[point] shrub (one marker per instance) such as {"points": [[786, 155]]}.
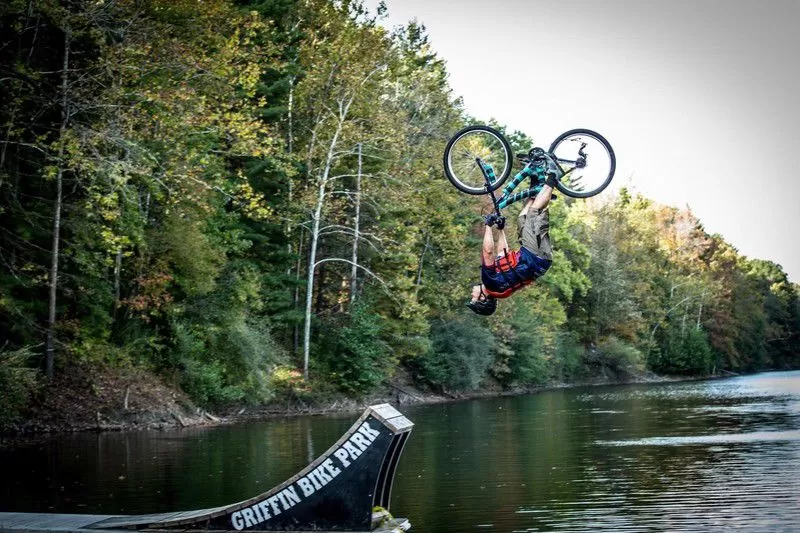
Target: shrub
{"points": [[461, 352], [359, 359], [617, 356], [568, 356], [206, 383], [18, 382], [687, 353], [230, 362]]}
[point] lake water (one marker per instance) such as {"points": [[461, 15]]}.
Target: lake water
{"points": [[695, 456]]}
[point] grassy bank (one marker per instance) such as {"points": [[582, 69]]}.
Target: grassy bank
{"points": [[100, 398]]}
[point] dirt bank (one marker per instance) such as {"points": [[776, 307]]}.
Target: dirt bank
{"points": [[98, 398]]}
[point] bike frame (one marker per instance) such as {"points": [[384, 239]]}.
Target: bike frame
{"points": [[528, 171]]}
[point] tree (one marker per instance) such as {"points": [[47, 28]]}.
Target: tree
{"points": [[460, 354], [349, 69]]}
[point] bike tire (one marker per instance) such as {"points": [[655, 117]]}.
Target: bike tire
{"points": [[575, 182], [467, 144]]}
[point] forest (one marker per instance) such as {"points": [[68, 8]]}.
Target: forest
{"points": [[246, 199]]}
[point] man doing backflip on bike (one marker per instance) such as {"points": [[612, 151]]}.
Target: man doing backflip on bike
{"points": [[505, 271]]}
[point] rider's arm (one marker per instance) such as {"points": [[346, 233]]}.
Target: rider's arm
{"points": [[487, 250]]}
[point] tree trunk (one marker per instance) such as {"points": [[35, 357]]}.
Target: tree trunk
{"points": [[421, 264], [683, 322], [319, 281], [117, 274], [290, 150], [317, 216], [700, 310], [54, 257], [8, 140], [310, 278], [356, 221], [290, 126], [298, 266]]}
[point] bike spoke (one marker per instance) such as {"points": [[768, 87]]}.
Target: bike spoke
{"points": [[477, 144], [590, 160]]}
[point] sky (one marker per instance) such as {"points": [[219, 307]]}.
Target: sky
{"points": [[699, 99]]}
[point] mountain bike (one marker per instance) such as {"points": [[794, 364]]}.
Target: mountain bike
{"points": [[477, 160]]}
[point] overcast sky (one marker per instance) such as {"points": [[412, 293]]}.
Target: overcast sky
{"points": [[698, 98]]}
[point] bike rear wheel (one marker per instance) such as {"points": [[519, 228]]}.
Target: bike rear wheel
{"points": [[588, 162], [469, 144]]}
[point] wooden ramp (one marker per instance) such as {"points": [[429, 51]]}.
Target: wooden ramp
{"points": [[337, 492]]}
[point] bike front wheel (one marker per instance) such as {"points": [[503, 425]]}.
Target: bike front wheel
{"points": [[587, 160], [466, 147]]}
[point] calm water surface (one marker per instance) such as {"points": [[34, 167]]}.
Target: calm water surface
{"points": [[718, 455]]}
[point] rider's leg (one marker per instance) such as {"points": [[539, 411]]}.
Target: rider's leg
{"points": [[540, 201], [543, 198], [533, 225]]}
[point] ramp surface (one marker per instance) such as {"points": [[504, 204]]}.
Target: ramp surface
{"points": [[336, 492]]}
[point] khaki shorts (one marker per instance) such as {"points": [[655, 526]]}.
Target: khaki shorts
{"points": [[533, 231]]}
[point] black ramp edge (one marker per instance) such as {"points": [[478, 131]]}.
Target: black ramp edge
{"points": [[336, 492], [377, 498], [384, 495]]}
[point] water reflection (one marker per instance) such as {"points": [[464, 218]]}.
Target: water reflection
{"points": [[666, 457], [150, 471], [759, 436], [687, 456]]}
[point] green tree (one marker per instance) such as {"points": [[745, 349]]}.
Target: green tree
{"points": [[460, 353], [360, 359]]}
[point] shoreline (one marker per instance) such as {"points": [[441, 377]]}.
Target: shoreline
{"points": [[180, 414]]}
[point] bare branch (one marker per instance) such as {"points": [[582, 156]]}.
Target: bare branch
{"points": [[27, 145], [366, 237], [365, 269]]}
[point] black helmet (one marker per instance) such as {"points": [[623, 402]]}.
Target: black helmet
{"points": [[484, 306]]}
